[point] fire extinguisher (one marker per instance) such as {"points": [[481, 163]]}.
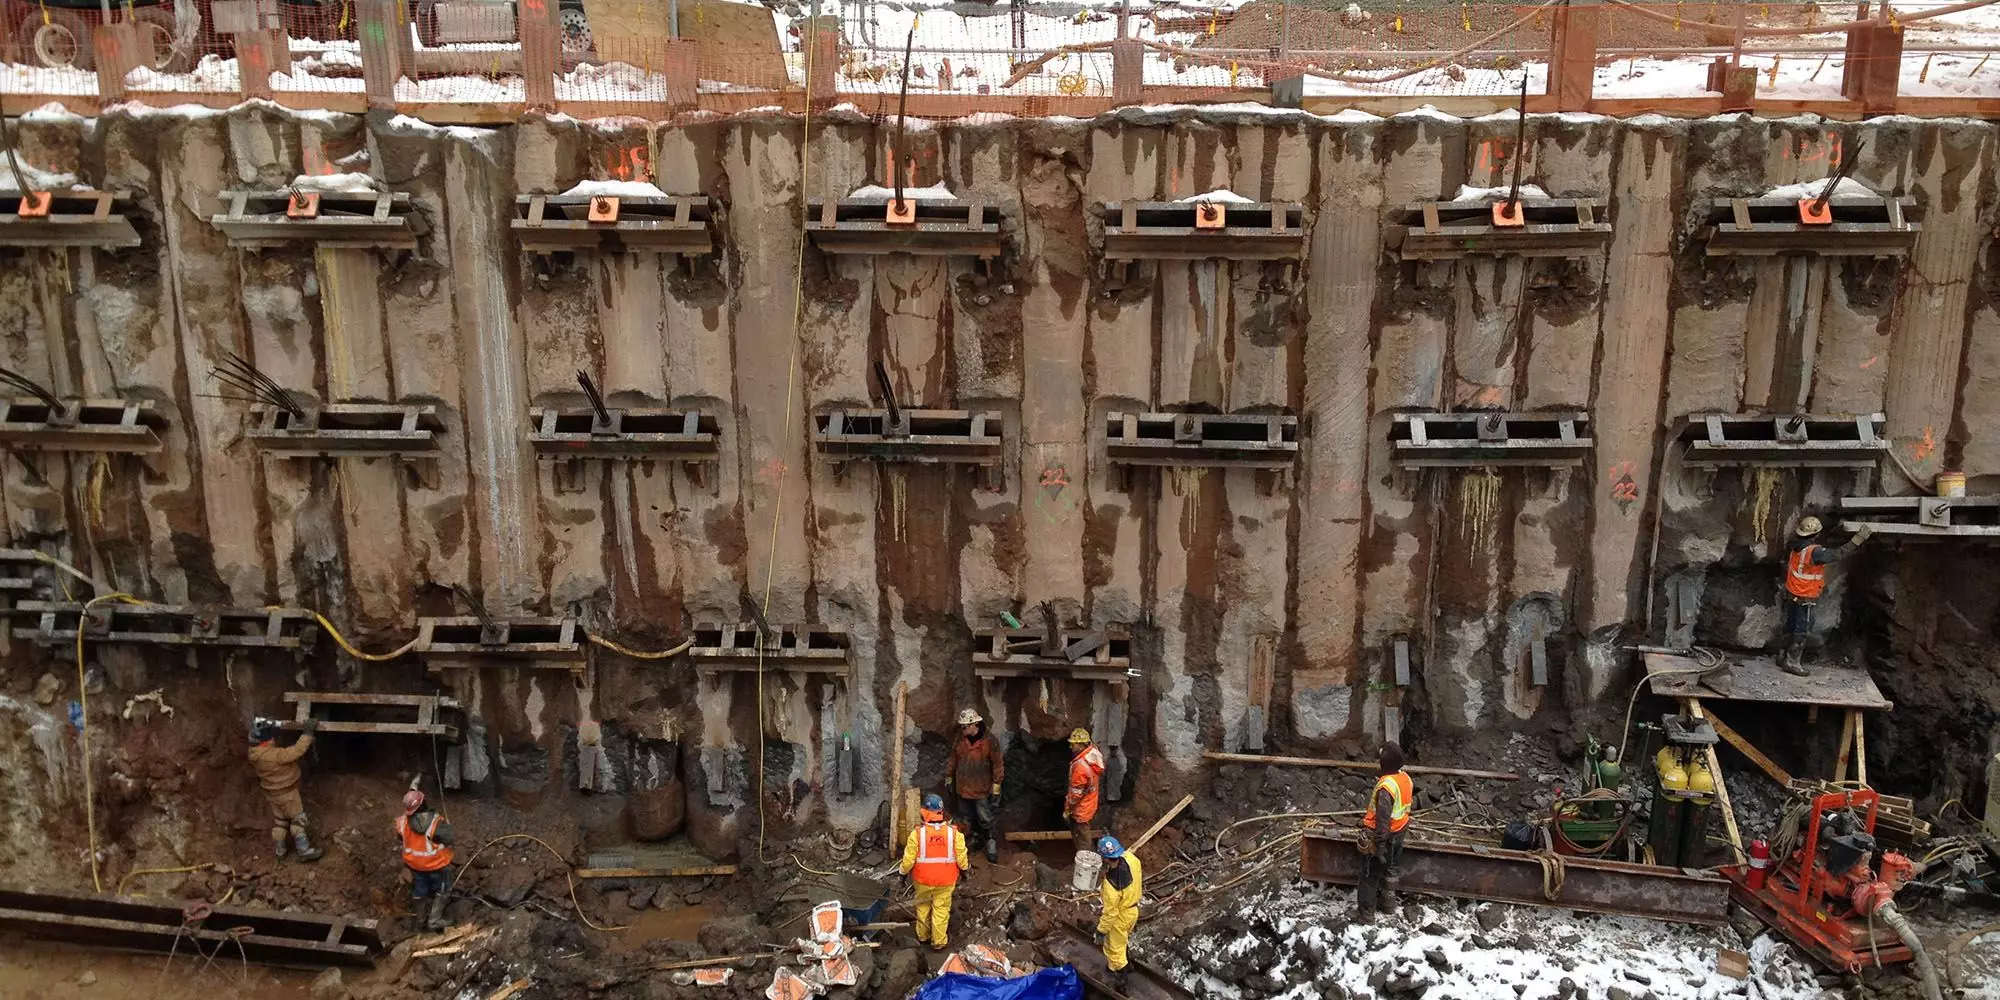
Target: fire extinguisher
{"points": [[1760, 864]]}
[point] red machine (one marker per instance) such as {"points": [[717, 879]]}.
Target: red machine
{"points": [[1822, 896]]}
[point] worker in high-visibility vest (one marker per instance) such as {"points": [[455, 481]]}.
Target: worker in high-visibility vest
{"points": [[1381, 840], [932, 858], [1086, 786], [1119, 892], [426, 841], [1806, 561]]}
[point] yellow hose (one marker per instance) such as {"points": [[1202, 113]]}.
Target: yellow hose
{"points": [[129, 876], [568, 873], [83, 728], [637, 655], [358, 654]]}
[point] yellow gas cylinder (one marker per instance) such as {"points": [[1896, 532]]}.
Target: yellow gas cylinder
{"points": [[1700, 781], [1673, 777]]}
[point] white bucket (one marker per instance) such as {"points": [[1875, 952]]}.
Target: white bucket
{"points": [[1088, 867]]}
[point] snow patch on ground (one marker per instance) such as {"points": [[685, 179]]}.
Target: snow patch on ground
{"points": [[616, 189], [873, 192], [1295, 942]]}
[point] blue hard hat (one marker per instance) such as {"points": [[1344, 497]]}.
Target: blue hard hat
{"points": [[1110, 847], [934, 801]]}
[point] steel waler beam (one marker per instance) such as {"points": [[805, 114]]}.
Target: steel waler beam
{"points": [[1504, 876]]}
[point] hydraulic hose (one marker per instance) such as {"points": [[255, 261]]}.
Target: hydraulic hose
{"points": [[1926, 972]]}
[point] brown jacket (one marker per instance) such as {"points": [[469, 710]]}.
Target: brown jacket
{"points": [[975, 766], [278, 767]]}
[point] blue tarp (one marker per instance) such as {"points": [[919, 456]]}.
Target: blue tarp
{"points": [[1059, 983]]}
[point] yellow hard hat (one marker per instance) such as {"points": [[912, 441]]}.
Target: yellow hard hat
{"points": [[1808, 526], [1079, 736]]}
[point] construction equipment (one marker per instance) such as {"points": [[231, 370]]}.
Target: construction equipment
{"points": [[1593, 823], [1825, 898], [1678, 829]]}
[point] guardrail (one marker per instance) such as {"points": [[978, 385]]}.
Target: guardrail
{"points": [[422, 59]]}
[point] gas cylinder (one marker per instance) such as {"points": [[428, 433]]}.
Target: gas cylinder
{"points": [[1760, 864], [1673, 777]]}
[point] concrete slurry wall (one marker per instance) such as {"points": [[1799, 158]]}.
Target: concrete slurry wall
{"points": [[1315, 576]]}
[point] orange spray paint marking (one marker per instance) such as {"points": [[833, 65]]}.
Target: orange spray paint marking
{"points": [[1870, 363], [1923, 449], [1624, 486], [771, 471]]}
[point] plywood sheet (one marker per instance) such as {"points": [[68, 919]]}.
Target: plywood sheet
{"points": [[1759, 678], [735, 42]]}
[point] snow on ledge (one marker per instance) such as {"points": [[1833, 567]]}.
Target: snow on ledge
{"points": [[336, 183], [873, 192], [1219, 195], [616, 189], [38, 180], [1847, 188], [1467, 192]]}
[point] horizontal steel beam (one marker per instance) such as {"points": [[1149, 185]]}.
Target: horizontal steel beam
{"points": [[1504, 876], [1071, 946], [267, 937]]}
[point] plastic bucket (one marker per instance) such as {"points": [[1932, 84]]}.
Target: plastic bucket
{"points": [[1951, 484], [1088, 867]]}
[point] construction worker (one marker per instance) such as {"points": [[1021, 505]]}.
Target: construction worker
{"points": [[426, 841], [1381, 841], [932, 858], [1086, 780], [973, 773], [1119, 892], [1805, 580], [278, 771]]}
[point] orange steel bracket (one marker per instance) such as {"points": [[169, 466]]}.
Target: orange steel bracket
{"points": [[1209, 215], [303, 205], [900, 212], [603, 208], [1813, 212], [35, 205], [1508, 213]]}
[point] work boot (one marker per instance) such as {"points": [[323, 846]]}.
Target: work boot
{"points": [[1119, 979], [279, 843], [1388, 903], [1363, 914], [435, 921], [1791, 660], [992, 851], [307, 852]]}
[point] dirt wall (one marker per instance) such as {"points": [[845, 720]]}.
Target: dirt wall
{"points": [[1315, 575]]}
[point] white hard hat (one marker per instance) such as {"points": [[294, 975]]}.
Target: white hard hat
{"points": [[968, 717], [1808, 525]]}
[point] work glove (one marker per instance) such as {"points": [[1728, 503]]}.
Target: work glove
{"points": [[310, 727], [995, 794], [1065, 815], [1365, 844]]}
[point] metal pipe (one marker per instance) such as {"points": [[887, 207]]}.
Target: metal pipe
{"points": [[902, 106]]}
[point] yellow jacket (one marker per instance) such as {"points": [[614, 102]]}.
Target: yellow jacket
{"points": [[1121, 906]]}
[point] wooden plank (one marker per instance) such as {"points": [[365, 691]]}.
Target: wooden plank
{"points": [[690, 872], [1770, 767], [1035, 836], [1693, 706], [1362, 765], [339, 698], [1846, 745], [1860, 748], [896, 772], [1160, 824]]}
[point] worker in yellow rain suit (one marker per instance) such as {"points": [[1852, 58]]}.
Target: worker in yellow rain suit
{"points": [[932, 858], [1120, 893]]}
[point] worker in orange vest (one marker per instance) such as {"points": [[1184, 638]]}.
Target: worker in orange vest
{"points": [[1086, 780], [1381, 840], [427, 852], [932, 858], [1806, 561]]}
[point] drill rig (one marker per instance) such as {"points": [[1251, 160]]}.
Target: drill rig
{"points": [[1827, 898]]}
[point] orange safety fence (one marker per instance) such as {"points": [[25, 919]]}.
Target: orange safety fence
{"points": [[652, 57]]}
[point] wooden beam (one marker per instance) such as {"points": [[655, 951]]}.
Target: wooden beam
{"points": [[1159, 824], [1362, 765], [896, 774], [1032, 836], [1769, 766], [1860, 748], [655, 872], [1846, 745], [1693, 707], [541, 52]]}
